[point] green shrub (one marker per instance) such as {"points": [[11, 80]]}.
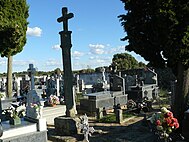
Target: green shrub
{"points": [[111, 118]]}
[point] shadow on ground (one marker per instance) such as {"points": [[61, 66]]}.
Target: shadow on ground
{"points": [[136, 132]]}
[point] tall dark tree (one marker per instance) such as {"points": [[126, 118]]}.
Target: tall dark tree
{"points": [[13, 27], [158, 30]]}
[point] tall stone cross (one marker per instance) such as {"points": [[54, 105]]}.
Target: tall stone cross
{"points": [[66, 54]]}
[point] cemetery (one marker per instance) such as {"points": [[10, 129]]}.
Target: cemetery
{"points": [[114, 106], [105, 109]]}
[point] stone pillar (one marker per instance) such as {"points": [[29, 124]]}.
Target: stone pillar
{"points": [[66, 53], [119, 115], [57, 86], [99, 113]]}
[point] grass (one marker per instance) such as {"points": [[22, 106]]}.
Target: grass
{"points": [[78, 97], [111, 118], [163, 99]]}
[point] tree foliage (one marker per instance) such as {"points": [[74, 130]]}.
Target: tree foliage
{"points": [[13, 26], [125, 61], [158, 30]]}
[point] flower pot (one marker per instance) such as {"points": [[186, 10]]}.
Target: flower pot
{"points": [[14, 121], [53, 105]]}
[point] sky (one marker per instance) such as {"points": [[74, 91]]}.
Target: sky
{"points": [[96, 33]]}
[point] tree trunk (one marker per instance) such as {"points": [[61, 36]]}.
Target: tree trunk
{"points": [[9, 77], [182, 92]]}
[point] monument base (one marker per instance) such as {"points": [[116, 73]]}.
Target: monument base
{"points": [[66, 126], [24, 132]]}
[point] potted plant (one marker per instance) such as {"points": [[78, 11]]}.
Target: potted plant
{"points": [[13, 116], [53, 100]]}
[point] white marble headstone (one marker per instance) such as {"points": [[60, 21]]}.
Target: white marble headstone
{"points": [[33, 99]]}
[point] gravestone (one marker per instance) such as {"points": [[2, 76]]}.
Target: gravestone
{"points": [[119, 115], [67, 125], [87, 131], [57, 85], [31, 128], [2, 86], [34, 104], [51, 84]]}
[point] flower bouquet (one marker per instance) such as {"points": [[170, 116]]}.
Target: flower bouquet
{"points": [[36, 110], [164, 123], [131, 104], [13, 115], [53, 100], [36, 105]]}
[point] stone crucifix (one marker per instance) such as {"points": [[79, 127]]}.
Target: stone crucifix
{"points": [[66, 54], [31, 72]]}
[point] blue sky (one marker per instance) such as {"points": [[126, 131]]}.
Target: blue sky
{"points": [[96, 34]]}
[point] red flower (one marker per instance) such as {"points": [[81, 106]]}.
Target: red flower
{"points": [[174, 120], [176, 125], [158, 122], [168, 121], [169, 114]]}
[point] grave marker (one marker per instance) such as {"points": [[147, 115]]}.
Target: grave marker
{"points": [[87, 131], [68, 77], [67, 125], [34, 104]]}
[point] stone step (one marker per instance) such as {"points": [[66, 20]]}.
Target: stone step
{"points": [[52, 112]]}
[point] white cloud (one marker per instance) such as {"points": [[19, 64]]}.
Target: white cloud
{"points": [[22, 65], [22, 62], [56, 47], [119, 49], [91, 58], [52, 62], [76, 55], [97, 49], [100, 61], [36, 31]]}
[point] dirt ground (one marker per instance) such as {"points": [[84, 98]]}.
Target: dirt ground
{"points": [[134, 129]]}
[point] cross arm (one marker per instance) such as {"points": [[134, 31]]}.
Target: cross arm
{"points": [[68, 16]]}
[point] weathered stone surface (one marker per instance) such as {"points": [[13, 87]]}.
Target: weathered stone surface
{"points": [[121, 100], [30, 137], [119, 116], [66, 53], [66, 125]]}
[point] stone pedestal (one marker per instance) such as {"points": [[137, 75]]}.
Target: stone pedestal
{"points": [[99, 113], [119, 116], [41, 123], [66, 126], [25, 132]]}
